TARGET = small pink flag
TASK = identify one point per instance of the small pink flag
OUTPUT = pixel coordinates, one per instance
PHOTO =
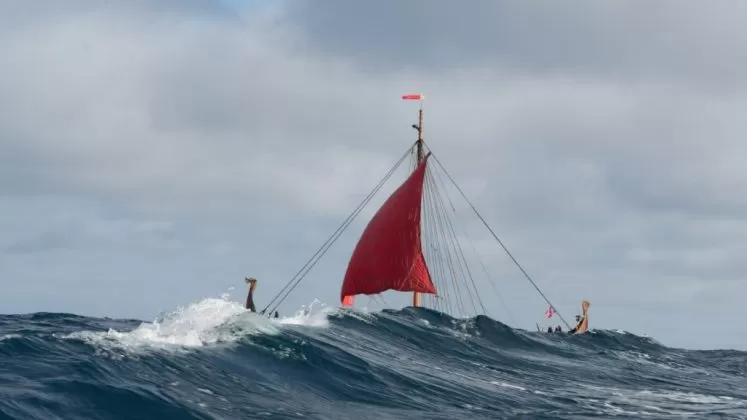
(550, 312)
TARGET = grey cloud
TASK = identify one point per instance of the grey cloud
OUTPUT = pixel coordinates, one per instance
(50, 224)
(44, 242)
(17, 15)
(604, 177)
(583, 39)
(139, 111)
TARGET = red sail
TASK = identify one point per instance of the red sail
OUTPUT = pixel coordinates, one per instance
(389, 255)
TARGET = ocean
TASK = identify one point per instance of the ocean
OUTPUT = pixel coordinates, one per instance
(214, 360)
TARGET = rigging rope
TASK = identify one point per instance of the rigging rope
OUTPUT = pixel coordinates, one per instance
(499, 241)
(296, 279)
(457, 246)
(474, 249)
(441, 264)
(448, 245)
(435, 264)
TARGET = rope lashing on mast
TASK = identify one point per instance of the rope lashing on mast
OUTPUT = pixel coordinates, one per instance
(296, 279)
(510, 255)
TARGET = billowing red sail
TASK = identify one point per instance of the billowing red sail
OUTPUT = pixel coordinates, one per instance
(389, 254)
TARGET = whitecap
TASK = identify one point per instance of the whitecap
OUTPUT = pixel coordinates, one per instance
(206, 322)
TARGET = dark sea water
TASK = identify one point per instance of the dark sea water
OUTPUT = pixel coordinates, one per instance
(213, 360)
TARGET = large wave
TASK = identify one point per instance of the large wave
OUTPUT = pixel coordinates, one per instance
(213, 359)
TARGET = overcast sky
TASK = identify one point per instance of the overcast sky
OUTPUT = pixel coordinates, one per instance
(153, 153)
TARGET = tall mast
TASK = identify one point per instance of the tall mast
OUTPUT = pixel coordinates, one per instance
(419, 158)
(419, 127)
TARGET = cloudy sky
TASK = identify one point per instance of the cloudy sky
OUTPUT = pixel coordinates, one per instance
(153, 153)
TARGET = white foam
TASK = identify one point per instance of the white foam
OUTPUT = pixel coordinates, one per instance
(670, 402)
(688, 397)
(307, 316)
(206, 322)
(9, 336)
(508, 385)
(362, 314)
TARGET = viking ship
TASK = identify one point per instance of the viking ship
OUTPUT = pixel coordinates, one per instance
(411, 245)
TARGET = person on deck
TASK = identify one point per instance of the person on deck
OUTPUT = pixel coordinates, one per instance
(558, 329)
(252, 282)
(579, 320)
(549, 329)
